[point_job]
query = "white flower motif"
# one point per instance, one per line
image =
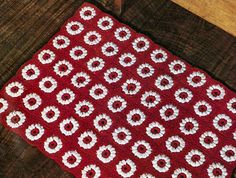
(121, 135)
(147, 176)
(30, 72)
(69, 126)
(208, 140)
(60, 42)
(231, 105)
(175, 144)
(195, 158)
(150, 99)
(109, 49)
(102, 122)
(48, 84)
(188, 126)
(116, 104)
(112, 75)
(217, 170)
(177, 67)
(122, 34)
(181, 172)
(46, 56)
(15, 119)
(145, 70)
(140, 44)
(65, 96)
(91, 171)
(222, 122)
(78, 53)
(50, 114)
(228, 153)
(87, 13)
(74, 27)
(164, 82)
(105, 23)
(135, 117)
(80, 79)
(202, 108)
(34, 132)
(158, 56)
(3, 105)
(52, 144)
(106, 153)
(127, 59)
(71, 159)
(196, 79)
(183, 95)
(14, 89)
(131, 87)
(141, 149)
(63, 68)
(161, 163)
(92, 38)
(126, 168)
(87, 140)
(155, 130)
(98, 91)
(169, 112)
(95, 64)
(32, 101)
(84, 108)
(234, 135)
(215, 92)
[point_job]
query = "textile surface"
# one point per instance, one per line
(99, 88)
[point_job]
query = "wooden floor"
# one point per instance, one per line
(219, 12)
(27, 25)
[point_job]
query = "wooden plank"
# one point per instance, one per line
(219, 12)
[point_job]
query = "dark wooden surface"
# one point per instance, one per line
(26, 25)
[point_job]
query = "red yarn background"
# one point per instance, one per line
(123, 152)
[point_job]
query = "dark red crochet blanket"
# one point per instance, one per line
(105, 101)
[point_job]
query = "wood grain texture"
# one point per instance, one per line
(219, 12)
(26, 25)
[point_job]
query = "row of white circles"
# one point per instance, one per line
(148, 99)
(103, 122)
(113, 75)
(141, 149)
(135, 117)
(131, 87)
(12, 91)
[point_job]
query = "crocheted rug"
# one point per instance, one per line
(105, 101)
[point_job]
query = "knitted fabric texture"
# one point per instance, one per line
(105, 101)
